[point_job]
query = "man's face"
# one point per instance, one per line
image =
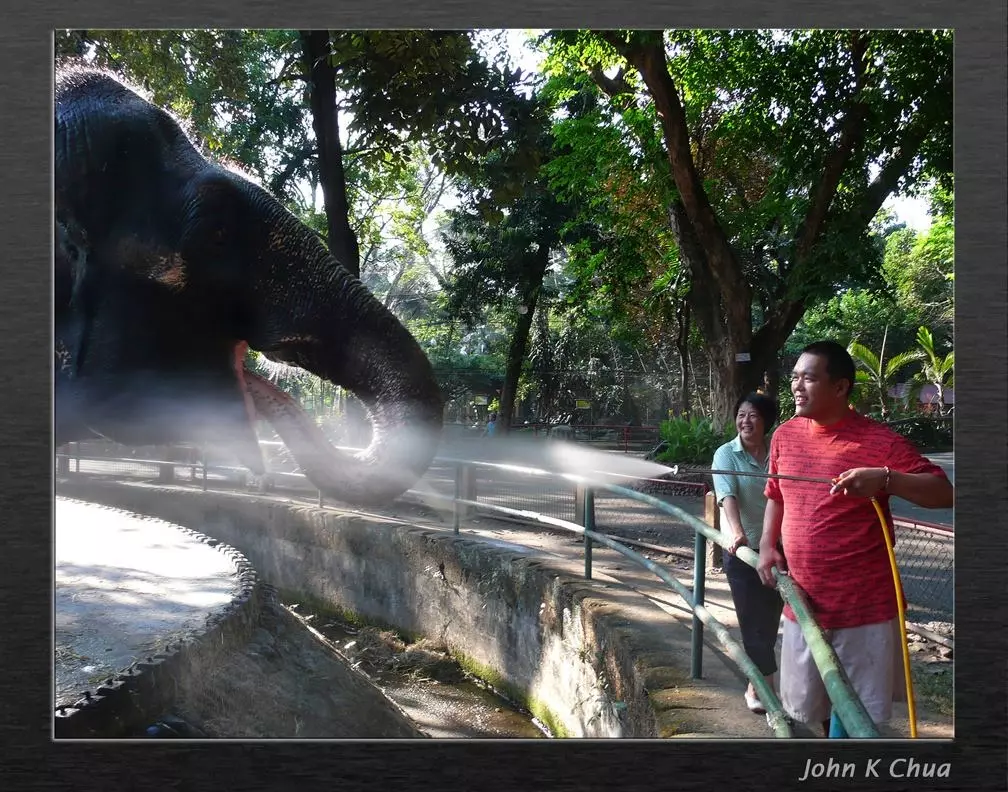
(816, 395)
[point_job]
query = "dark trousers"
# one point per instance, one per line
(758, 609)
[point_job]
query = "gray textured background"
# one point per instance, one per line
(31, 761)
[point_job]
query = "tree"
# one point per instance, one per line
(919, 268)
(878, 373)
(805, 134)
(501, 259)
(935, 370)
(621, 254)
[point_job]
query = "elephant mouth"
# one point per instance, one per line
(265, 400)
(345, 474)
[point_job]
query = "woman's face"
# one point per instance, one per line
(749, 423)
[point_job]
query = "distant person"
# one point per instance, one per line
(832, 536)
(491, 426)
(742, 505)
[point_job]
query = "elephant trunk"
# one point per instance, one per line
(335, 328)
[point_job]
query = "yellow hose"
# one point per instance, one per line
(911, 708)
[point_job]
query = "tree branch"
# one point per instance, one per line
(895, 168)
(611, 86)
(851, 134)
(648, 57)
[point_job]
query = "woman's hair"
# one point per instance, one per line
(492, 416)
(764, 405)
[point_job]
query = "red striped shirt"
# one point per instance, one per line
(833, 544)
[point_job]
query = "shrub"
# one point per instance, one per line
(928, 433)
(691, 441)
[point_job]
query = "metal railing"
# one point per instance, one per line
(607, 436)
(588, 508)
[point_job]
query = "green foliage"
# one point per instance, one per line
(855, 313)
(692, 440)
(936, 369)
(406, 86)
(919, 267)
(574, 356)
(775, 120)
(622, 256)
(927, 432)
(876, 375)
(917, 290)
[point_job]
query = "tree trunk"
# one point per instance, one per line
(682, 347)
(316, 47)
(519, 345)
(721, 296)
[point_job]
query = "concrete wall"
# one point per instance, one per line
(552, 641)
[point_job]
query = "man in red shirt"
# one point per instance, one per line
(832, 538)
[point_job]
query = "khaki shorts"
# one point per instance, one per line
(872, 656)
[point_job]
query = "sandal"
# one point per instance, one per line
(754, 704)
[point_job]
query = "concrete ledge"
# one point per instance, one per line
(568, 649)
(127, 701)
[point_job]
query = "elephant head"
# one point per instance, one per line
(168, 267)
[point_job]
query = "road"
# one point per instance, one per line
(902, 508)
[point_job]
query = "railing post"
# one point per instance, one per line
(203, 460)
(321, 500)
(456, 514)
(579, 503)
(626, 439)
(588, 521)
(712, 516)
(699, 580)
(465, 489)
(77, 457)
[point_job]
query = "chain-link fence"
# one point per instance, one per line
(924, 551)
(925, 558)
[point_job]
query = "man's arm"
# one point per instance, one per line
(923, 489)
(930, 490)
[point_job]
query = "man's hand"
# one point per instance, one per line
(769, 557)
(863, 482)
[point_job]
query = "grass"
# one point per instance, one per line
(934, 691)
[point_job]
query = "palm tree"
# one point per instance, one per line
(876, 371)
(935, 370)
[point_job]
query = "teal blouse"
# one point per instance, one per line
(748, 490)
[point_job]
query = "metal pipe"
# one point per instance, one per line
(699, 581)
(456, 516)
(676, 470)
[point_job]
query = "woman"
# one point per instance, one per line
(742, 504)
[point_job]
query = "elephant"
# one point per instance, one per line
(168, 267)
